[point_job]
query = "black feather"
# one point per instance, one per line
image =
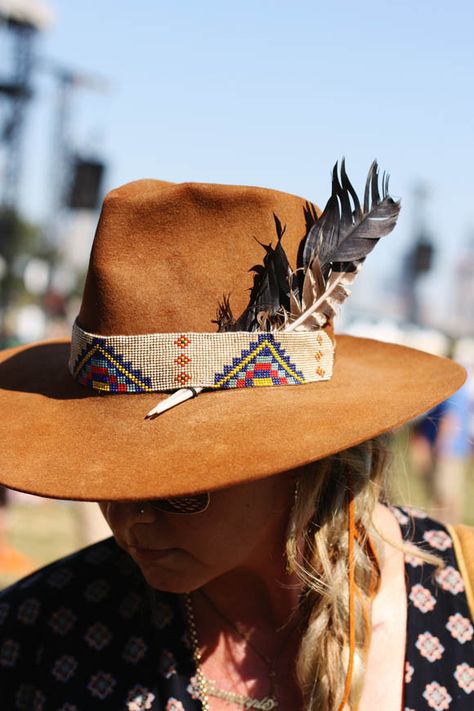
(270, 292)
(224, 317)
(310, 217)
(344, 235)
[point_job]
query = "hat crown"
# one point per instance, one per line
(164, 254)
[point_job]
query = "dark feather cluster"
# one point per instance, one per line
(329, 256)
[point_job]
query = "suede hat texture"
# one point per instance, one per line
(164, 254)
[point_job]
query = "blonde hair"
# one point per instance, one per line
(317, 551)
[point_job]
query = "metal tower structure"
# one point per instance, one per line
(64, 154)
(20, 22)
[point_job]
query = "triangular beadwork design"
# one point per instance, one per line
(264, 363)
(100, 368)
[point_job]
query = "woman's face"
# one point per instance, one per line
(243, 527)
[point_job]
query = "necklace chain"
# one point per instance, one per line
(208, 687)
(201, 679)
(247, 702)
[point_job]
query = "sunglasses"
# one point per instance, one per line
(195, 504)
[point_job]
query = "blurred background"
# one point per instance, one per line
(270, 93)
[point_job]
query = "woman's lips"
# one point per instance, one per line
(150, 554)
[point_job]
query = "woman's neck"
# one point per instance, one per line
(248, 635)
(249, 598)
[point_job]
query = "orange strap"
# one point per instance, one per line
(352, 637)
(368, 545)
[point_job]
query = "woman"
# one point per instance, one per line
(253, 562)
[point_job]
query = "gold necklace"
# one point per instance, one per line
(247, 702)
(200, 678)
(207, 687)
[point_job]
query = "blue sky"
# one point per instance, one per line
(271, 93)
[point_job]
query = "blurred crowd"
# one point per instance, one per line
(441, 449)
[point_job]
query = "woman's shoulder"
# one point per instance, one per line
(420, 553)
(417, 526)
(450, 547)
(75, 631)
(452, 544)
(439, 667)
(66, 572)
(52, 599)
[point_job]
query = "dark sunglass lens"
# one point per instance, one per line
(182, 504)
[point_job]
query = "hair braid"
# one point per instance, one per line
(317, 550)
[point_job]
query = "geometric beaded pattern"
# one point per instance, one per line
(100, 368)
(264, 363)
(156, 362)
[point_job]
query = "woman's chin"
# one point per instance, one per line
(170, 581)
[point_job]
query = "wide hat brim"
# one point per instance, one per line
(63, 441)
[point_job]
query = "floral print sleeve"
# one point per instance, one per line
(439, 667)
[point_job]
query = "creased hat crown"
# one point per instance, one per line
(164, 254)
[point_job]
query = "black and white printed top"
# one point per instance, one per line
(82, 634)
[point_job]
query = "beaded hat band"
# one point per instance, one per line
(169, 361)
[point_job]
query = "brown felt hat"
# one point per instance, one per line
(163, 256)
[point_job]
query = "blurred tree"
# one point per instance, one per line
(20, 240)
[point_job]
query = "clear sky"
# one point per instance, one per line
(272, 92)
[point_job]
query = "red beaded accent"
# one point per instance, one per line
(182, 341)
(182, 378)
(182, 360)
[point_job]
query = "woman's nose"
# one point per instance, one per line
(125, 514)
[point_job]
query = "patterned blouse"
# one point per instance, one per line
(86, 633)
